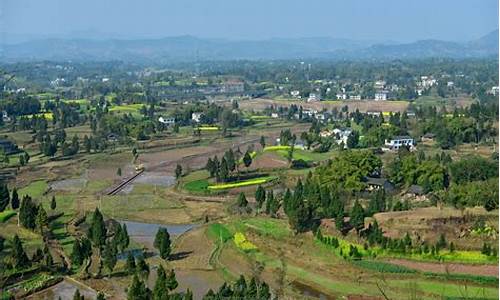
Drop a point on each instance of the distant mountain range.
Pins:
(188, 48)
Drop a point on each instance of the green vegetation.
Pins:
(219, 232)
(382, 267)
(6, 215)
(35, 189)
(255, 181)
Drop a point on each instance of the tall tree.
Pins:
(262, 141)
(97, 231)
(162, 242)
(357, 219)
(247, 159)
(110, 256)
(41, 219)
(242, 200)
(160, 290)
(260, 196)
(142, 268)
(14, 202)
(130, 264)
(77, 255)
(53, 203)
(138, 290)
(171, 280)
(18, 255)
(4, 197)
(178, 171)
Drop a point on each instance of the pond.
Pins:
(64, 290)
(310, 292)
(144, 233)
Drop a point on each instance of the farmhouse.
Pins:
(313, 98)
(396, 142)
(166, 121)
(428, 137)
(381, 96)
(374, 183)
(196, 117)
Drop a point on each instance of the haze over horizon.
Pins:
(358, 20)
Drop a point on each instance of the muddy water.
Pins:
(144, 233)
(64, 290)
(310, 292)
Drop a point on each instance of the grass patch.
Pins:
(35, 189)
(127, 108)
(270, 227)
(383, 267)
(243, 183)
(197, 186)
(486, 280)
(276, 148)
(6, 215)
(219, 232)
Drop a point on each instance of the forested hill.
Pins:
(188, 48)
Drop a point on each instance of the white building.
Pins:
(313, 98)
(379, 84)
(166, 121)
(381, 96)
(398, 141)
(275, 115)
(355, 97)
(196, 117)
(494, 90)
(342, 96)
(295, 93)
(427, 81)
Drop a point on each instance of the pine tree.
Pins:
(262, 141)
(14, 202)
(4, 197)
(178, 171)
(230, 160)
(260, 196)
(242, 200)
(142, 268)
(110, 256)
(77, 255)
(130, 264)
(97, 231)
(160, 290)
(138, 290)
(18, 255)
(171, 280)
(162, 242)
(251, 292)
(119, 172)
(53, 203)
(77, 296)
(357, 219)
(247, 159)
(41, 219)
(188, 295)
(223, 170)
(124, 238)
(264, 292)
(100, 296)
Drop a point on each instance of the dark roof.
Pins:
(402, 137)
(415, 189)
(429, 135)
(376, 181)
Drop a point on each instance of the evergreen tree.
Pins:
(110, 256)
(138, 290)
(4, 197)
(53, 203)
(247, 159)
(223, 170)
(18, 255)
(14, 202)
(171, 280)
(178, 171)
(264, 292)
(49, 261)
(142, 268)
(188, 295)
(162, 242)
(41, 219)
(77, 296)
(97, 231)
(119, 172)
(230, 160)
(251, 292)
(100, 296)
(76, 254)
(357, 219)
(160, 291)
(242, 200)
(262, 141)
(260, 196)
(130, 264)
(441, 243)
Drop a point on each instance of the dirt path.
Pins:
(485, 270)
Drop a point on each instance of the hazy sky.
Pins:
(399, 20)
